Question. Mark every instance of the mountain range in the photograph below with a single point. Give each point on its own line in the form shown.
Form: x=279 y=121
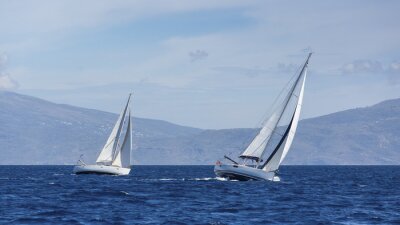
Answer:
x=35 y=131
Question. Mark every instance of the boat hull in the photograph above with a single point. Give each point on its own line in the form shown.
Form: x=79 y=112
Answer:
x=243 y=173
x=101 y=169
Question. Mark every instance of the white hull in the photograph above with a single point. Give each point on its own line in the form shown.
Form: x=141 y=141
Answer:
x=243 y=173
x=101 y=169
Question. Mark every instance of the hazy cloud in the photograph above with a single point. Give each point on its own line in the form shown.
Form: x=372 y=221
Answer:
x=371 y=66
x=198 y=55
x=6 y=81
x=395 y=67
x=363 y=66
x=49 y=40
x=394 y=72
x=359 y=67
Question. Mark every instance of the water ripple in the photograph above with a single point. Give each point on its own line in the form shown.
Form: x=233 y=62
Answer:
x=193 y=195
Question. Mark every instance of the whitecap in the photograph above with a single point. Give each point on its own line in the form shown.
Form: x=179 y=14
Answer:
x=221 y=179
x=167 y=179
x=124 y=192
x=205 y=178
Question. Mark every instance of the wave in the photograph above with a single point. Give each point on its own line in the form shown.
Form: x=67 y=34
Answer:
x=58 y=174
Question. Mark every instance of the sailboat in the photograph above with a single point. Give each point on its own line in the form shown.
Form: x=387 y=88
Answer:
x=275 y=137
x=114 y=158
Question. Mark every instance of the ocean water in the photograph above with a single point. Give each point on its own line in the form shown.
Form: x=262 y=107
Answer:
x=192 y=195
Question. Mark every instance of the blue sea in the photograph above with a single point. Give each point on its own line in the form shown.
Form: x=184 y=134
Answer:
x=192 y=195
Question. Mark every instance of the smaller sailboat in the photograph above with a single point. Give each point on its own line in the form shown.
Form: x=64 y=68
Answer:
x=275 y=137
x=114 y=158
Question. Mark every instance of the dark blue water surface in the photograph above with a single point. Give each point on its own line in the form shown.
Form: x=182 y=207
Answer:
x=192 y=195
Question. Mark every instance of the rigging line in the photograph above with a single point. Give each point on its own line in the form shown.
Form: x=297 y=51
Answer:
x=274 y=103
x=273 y=132
x=287 y=99
x=286 y=86
x=291 y=92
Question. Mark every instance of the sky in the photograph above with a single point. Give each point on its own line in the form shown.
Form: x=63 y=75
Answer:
x=206 y=64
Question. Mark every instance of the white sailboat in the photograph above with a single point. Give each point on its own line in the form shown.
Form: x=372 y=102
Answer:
x=275 y=137
x=115 y=156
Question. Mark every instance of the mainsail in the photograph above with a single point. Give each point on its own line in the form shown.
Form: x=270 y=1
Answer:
x=110 y=148
x=257 y=147
x=260 y=143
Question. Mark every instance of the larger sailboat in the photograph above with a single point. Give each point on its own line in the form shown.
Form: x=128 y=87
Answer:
x=275 y=137
x=115 y=156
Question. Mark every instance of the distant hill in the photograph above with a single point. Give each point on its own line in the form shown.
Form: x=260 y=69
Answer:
x=369 y=135
x=34 y=131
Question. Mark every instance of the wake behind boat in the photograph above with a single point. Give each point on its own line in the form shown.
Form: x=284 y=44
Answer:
x=275 y=137
x=114 y=158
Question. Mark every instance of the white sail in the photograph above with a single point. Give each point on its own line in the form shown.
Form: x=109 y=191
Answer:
x=283 y=147
x=257 y=146
x=124 y=154
x=108 y=151
x=295 y=121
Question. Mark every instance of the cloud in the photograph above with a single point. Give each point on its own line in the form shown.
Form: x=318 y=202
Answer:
x=198 y=55
x=6 y=81
x=362 y=66
x=394 y=72
x=395 y=67
x=365 y=67
x=371 y=66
